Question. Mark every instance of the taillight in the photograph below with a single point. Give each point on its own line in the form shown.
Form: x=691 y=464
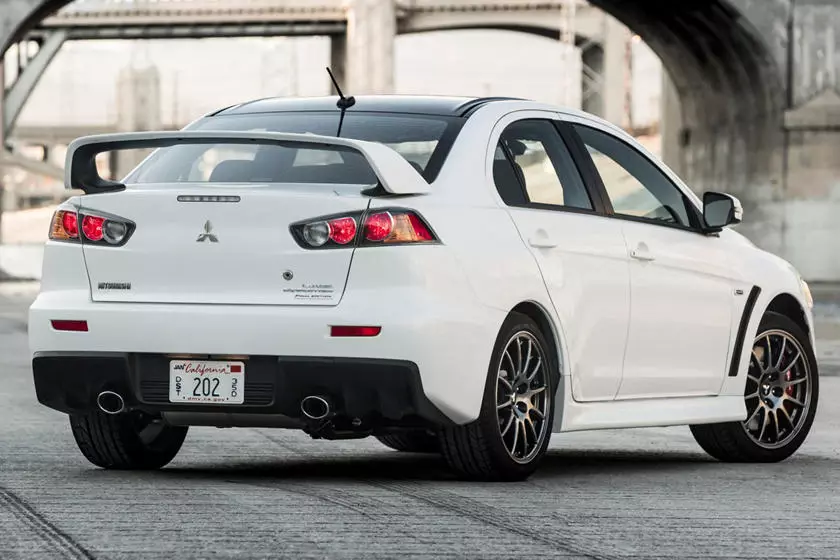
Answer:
x=92 y=227
x=379 y=226
x=342 y=230
x=95 y=229
x=65 y=225
x=382 y=227
x=397 y=227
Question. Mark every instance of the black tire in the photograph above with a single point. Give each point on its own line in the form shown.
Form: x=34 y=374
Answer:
x=730 y=442
x=477 y=451
x=119 y=442
x=419 y=441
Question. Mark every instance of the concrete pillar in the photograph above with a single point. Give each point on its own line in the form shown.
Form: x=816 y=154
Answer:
x=811 y=192
x=138 y=109
x=371 y=31
x=671 y=125
x=338 y=59
x=614 y=71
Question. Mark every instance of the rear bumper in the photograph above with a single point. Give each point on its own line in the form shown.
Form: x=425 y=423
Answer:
x=429 y=351
x=382 y=392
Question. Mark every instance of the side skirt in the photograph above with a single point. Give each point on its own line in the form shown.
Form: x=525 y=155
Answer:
x=648 y=413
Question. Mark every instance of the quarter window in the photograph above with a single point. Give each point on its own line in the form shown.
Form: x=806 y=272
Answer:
x=635 y=186
x=531 y=155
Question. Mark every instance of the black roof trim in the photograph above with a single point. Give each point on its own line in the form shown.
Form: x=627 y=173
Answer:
x=474 y=105
x=407 y=104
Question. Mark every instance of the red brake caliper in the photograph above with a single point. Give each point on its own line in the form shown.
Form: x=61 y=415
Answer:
x=789 y=377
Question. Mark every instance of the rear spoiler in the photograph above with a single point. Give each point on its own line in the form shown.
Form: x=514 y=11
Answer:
x=396 y=175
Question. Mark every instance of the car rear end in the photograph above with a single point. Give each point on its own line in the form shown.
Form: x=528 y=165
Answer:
x=223 y=294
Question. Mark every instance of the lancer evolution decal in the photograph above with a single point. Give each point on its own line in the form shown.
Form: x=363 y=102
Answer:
x=114 y=286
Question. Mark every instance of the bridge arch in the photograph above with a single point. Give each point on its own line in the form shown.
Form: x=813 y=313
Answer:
x=729 y=84
x=758 y=84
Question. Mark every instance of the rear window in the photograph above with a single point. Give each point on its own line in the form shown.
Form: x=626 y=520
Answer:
x=423 y=140
x=253 y=162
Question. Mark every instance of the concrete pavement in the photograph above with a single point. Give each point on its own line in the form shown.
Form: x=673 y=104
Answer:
x=255 y=493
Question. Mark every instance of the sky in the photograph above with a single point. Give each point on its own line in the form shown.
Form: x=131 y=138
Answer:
x=198 y=76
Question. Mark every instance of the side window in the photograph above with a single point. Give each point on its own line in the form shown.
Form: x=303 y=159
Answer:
x=635 y=186
x=532 y=157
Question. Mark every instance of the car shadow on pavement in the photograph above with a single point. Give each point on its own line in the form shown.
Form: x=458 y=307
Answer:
x=419 y=467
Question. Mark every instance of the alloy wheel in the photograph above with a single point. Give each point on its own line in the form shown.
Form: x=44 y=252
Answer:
x=523 y=399
x=778 y=391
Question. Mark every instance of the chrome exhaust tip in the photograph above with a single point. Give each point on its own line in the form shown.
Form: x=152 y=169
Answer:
x=110 y=402
x=315 y=407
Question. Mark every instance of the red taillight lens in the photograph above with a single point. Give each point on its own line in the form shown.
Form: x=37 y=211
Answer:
x=379 y=226
x=355 y=331
x=69 y=325
x=397 y=227
x=70 y=222
x=421 y=232
x=342 y=230
x=92 y=227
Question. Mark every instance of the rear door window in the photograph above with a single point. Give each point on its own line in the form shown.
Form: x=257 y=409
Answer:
x=531 y=157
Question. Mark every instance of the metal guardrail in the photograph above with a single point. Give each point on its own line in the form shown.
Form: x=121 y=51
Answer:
x=85 y=10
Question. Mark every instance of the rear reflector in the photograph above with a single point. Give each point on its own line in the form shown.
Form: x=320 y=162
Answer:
x=65 y=325
x=355 y=331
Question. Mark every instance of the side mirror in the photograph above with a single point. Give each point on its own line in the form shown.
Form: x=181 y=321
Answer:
x=721 y=210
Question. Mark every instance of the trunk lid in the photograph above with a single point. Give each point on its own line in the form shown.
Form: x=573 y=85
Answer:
x=219 y=252
x=211 y=213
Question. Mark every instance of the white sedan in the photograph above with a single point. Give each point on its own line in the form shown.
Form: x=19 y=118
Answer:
x=453 y=275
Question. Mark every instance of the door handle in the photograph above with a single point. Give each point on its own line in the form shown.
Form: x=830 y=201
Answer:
x=541 y=240
x=642 y=253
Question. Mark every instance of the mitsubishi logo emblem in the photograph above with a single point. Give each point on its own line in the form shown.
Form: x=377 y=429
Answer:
x=208 y=234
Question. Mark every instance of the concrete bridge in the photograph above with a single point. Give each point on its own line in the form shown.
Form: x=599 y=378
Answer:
x=754 y=110
x=601 y=39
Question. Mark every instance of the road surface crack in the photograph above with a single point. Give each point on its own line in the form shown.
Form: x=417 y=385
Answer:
x=480 y=512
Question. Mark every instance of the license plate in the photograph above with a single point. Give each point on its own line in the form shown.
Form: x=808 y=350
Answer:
x=206 y=382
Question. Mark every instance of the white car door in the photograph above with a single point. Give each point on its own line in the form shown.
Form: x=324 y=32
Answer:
x=581 y=255
x=682 y=286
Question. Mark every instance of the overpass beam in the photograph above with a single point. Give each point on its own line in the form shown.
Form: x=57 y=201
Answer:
x=371 y=34
x=29 y=77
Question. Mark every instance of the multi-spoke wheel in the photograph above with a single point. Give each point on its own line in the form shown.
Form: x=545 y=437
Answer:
x=778 y=389
x=781 y=393
x=512 y=433
x=522 y=401
x=128 y=441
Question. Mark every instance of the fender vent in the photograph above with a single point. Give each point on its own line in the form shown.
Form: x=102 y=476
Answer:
x=742 y=331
